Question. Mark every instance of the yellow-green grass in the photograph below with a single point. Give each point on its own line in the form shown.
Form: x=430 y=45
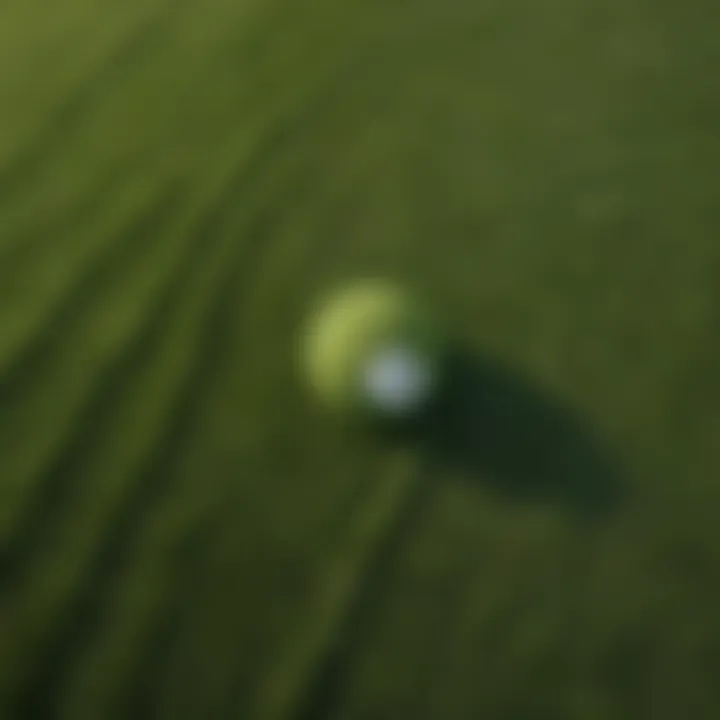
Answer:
x=184 y=535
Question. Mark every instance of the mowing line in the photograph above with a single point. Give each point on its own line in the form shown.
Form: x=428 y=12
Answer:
x=94 y=265
x=96 y=418
x=45 y=54
x=300 y=689
x=148 y=689
x=146 y=486
x=143 y=510
x=63 y=471
x=259 y=50
x=284 y=125
x=16 y=254
x=53 y=362
x=37 y=517
x=90 y=621
x=24 y=575
x=17 y=174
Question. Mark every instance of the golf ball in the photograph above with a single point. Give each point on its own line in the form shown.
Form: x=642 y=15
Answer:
x=398 y=380
x=372 y=348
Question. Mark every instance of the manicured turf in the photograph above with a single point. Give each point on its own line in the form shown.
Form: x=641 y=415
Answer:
x=184 y=535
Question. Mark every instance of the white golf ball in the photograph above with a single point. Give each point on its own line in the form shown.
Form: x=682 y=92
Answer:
x=398 y=380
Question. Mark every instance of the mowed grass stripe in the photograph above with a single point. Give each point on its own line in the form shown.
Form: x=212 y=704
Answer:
x=314 y=508
x=317 y=686
x=129 y=305
x=98 y=136
x=213 y=479
x=338 y=500
x=142 y=629
x=263 y=94
x=42 y=399
x=133 y=633
x=35 y=32
x=245 y=68
x=120 y=627
x=316 y=653
x=39 y=619
x=197 y=496
x=41 y=274
x=34 y=421
x=301 y=684
x=113 y=528
x=18 y=172
x=260 y=621
x=362 y=176
x=36 y=459
x=53 y=568
x=284 y=690
x=49 y=49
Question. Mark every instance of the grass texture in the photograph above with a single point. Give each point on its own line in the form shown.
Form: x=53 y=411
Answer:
x=184 y=535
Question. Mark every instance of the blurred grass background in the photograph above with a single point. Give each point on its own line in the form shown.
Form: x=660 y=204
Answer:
x=182 y=535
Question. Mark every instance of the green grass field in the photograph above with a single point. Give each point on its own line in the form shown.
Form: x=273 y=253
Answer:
x=184 y=535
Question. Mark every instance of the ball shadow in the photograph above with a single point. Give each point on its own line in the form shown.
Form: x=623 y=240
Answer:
x=498 y=429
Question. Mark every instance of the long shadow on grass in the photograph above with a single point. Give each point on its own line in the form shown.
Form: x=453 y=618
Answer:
x=499 y=429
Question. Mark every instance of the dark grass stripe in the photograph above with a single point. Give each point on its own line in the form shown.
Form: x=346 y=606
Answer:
x=41 y=514
x=21 y=248
x=161 y=646
x=81 y=622
x=322 y=697
x=85 y=626
x=35 y=536
x=38 y=351
x=161 y=467
x=19 y=172
x=270 y=34
x=18 y=563
x=158 y=646
x=246 y=176
x=39 y=357
x=59 y=483
x=123 y=251
x=239 y=680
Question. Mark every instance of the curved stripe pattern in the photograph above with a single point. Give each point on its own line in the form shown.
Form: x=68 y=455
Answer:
x=182 y=534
